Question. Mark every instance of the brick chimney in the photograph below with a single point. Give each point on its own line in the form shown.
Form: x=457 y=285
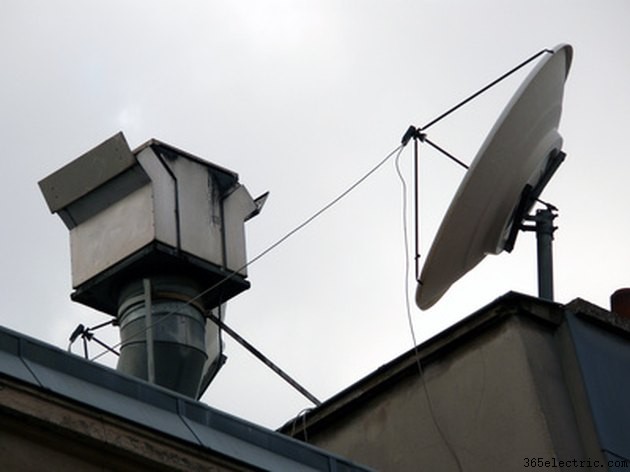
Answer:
x=620 y=302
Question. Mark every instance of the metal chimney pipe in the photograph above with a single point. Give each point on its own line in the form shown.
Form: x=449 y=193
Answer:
x=620 y=302
x=162 y=333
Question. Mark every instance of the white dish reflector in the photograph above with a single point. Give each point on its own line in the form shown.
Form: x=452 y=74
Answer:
x=514 y=154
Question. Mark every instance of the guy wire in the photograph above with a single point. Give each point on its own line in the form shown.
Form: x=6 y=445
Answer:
x=266 y=251
x=230 y=275
x=482 y=90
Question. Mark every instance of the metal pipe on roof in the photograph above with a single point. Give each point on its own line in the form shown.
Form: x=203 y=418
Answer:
x=620 y=302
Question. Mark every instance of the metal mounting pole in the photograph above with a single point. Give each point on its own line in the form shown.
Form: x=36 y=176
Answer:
x=413 y=133
x=416 y=178
x=544 y=239
x=148 y=320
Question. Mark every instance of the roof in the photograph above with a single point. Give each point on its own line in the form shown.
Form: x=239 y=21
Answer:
x=225 y=177
x=602 y=348
x=405 y=364
x=69 y=376
x=598 y=338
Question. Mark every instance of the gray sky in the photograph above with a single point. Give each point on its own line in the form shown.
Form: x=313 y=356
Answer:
x=301 y=98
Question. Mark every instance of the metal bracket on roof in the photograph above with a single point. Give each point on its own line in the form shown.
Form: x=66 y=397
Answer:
x=87 y=335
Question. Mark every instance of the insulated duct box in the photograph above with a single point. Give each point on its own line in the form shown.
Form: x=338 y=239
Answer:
x=161 y=218
x=135 y=213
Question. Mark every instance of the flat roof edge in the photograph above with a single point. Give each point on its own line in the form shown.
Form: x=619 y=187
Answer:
x=509 y=304
x=68 y=376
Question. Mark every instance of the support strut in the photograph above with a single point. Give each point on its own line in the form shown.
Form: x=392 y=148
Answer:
x=544 y=228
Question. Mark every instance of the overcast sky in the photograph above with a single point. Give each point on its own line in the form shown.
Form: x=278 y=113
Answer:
x=301 y=98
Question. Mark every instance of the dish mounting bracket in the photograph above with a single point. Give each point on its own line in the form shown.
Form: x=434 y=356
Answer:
x=543 y=224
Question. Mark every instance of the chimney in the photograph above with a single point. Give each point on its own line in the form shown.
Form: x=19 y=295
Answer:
x=157 y=240
x=620 y=302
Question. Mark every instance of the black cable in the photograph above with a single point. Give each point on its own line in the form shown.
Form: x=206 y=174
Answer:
x=421 y=136
x=325 y=208
x=274 y=245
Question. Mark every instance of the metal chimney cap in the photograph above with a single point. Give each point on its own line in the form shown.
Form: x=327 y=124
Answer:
x=153 y=211
x=87 y=172
x=225 y=177
x=620 y=302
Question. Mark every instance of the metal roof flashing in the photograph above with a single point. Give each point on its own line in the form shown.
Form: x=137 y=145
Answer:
x=596 y=314
x=87 y=173
x=71 y=377
x=225 y=177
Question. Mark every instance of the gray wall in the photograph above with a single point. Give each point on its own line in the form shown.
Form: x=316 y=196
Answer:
x=491 y=401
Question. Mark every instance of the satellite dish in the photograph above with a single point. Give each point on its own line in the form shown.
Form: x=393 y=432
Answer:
x=515 y=156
